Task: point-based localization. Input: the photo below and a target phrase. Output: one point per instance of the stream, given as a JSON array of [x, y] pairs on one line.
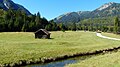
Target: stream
[[61, 63]]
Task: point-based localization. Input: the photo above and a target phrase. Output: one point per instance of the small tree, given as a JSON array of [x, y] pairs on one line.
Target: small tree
[[74, 26], [62, 27]]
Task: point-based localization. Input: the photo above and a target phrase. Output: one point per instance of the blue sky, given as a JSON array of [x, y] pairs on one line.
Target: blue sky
[[53, 8]]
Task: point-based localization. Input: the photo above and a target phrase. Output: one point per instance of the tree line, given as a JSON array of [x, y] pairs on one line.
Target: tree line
[[17, 21], [105, 24]]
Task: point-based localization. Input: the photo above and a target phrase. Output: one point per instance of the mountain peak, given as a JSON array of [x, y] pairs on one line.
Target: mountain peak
[[105, 6], [9, 4], [107, 9], [111, 3]]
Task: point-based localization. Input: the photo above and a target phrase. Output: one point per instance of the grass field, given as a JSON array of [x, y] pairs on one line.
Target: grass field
[[16, 46]]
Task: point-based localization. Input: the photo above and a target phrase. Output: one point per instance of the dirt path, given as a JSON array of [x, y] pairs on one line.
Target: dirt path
[[99, 35]]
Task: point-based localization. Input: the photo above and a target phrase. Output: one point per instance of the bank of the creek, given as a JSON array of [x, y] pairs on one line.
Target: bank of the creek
[[62, 61]]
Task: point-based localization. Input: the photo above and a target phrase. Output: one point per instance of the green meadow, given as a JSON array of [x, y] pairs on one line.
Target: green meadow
[[16, 46], [106, 60]]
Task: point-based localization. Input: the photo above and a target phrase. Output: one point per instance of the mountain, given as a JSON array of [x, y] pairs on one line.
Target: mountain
[[108, 9], [72, 16], [9, 4]]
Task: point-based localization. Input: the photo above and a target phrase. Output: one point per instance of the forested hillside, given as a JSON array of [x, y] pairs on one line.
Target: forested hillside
[[13, 20]]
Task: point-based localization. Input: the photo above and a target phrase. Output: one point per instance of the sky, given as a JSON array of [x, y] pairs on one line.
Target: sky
[[53, 8]]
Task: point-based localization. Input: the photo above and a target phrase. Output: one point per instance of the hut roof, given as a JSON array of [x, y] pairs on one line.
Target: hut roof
[[44, 30]]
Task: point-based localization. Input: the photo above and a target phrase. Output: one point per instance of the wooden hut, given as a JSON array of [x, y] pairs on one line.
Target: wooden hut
[[42, 34]]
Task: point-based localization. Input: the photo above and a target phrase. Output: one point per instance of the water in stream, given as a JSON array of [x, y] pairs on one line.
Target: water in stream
[[61, 63]]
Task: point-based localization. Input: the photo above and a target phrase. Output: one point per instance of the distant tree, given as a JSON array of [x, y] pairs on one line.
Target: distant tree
[[116, 25], [54, 25], [38, 21], [62, 27], [44, 22], [11, 25], [48, 27], [74, 26], [25, 27]]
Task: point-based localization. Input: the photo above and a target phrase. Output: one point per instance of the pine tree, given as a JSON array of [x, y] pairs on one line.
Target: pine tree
[[38, 21]]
